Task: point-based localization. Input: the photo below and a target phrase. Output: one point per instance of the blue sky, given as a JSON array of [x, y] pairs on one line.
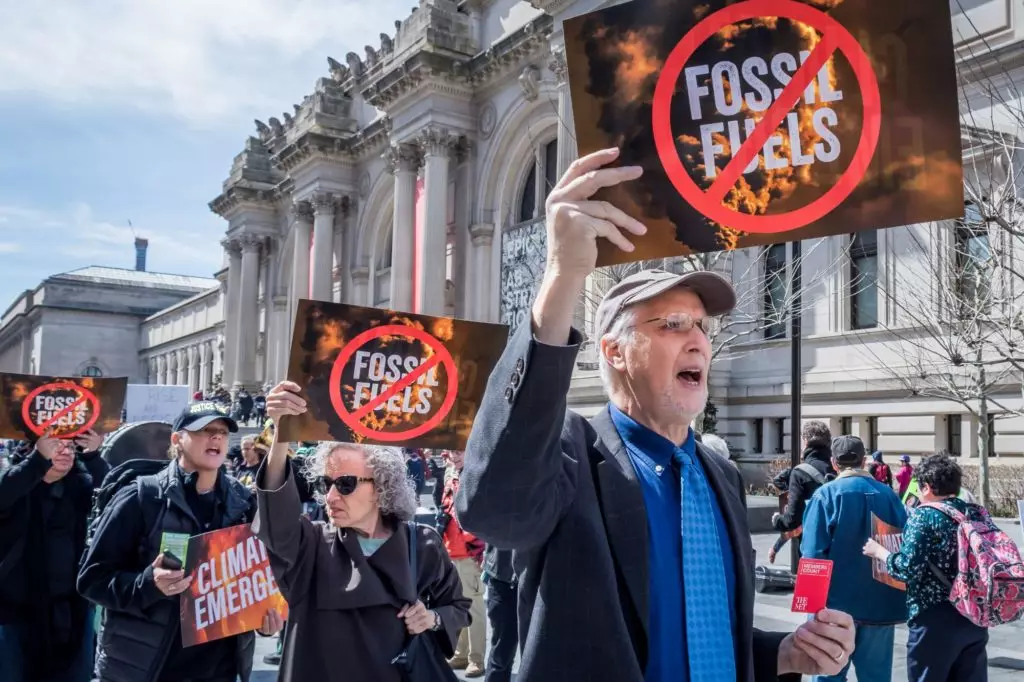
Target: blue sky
[[118, 110]]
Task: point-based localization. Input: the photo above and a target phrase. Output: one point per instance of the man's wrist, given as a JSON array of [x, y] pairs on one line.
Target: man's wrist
[[784, 663]]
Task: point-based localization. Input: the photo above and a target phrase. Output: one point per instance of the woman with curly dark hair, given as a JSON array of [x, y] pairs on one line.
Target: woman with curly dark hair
[[943, 644]]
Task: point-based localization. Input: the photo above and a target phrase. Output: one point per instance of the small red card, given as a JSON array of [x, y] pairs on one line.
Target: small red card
[[812, 580]]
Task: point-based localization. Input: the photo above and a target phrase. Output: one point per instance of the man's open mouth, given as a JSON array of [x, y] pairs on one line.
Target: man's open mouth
[[690, 377]]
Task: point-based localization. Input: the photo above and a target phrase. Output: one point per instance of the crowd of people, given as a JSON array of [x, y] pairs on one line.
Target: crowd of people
[[601, 549]]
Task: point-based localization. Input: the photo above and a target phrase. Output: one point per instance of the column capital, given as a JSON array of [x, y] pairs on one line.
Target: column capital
[[324, 203], [360, 275], [251, 243], [302, 210], [232, 245], [402, 158], [436, 141], [482, 234], [557, 64], [280, 302]]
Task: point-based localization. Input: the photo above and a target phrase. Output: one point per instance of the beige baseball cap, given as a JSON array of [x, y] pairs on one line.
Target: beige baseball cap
[[715, 291]]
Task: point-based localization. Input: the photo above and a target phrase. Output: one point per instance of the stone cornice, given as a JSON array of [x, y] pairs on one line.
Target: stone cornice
[[552, 7], [507, 56], [313, 145], [233, 197]]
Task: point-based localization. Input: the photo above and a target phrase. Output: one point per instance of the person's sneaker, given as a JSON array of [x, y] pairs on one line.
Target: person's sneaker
[[458, 663], [474, 670], [272, 659]]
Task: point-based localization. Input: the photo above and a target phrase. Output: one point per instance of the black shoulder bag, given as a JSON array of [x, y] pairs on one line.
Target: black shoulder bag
[[421, 660]]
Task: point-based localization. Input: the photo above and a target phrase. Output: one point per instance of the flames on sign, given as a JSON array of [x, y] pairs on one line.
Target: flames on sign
[[336, 334]]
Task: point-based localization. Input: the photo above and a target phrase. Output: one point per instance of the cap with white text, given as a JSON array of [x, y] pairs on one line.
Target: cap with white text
[[198, 416], [714, 291]]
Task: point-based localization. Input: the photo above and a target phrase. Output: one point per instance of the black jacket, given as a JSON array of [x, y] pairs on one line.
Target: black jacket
[[42, 535], [140, 622], [802, 486], [562, 493]]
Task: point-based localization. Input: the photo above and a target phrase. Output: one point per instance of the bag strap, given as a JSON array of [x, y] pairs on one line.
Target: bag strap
[[816, 475], [413, 563], [952, 513], [941, 576]]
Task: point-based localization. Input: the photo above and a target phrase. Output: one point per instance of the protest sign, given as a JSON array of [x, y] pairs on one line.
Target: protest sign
[[152, 403], [30, 405], [891, 538], [766, 121], [378, 376], [232, 586]]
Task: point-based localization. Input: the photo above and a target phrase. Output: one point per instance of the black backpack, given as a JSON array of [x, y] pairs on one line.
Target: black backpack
[[133, 472]]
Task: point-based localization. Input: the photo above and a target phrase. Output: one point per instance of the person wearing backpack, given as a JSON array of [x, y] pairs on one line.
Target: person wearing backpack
[[46, 629], [124, 572], [805, 478], [942, 643]]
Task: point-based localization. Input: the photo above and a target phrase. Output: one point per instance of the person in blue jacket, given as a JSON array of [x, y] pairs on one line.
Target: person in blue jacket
[[837, 523]]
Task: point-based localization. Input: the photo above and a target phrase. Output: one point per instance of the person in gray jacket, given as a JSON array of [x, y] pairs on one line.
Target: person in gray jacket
[[579, 501]]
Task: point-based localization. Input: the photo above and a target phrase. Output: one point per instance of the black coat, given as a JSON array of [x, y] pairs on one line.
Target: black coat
[[562, 492], [140, 622], [802, 486], [37, 588]]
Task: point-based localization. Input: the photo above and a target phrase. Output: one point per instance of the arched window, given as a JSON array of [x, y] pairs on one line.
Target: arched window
[[545, 165], [92, 371]]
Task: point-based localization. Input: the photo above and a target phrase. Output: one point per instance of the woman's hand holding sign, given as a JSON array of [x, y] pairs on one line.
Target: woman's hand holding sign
[[574, 223], [282, 401]]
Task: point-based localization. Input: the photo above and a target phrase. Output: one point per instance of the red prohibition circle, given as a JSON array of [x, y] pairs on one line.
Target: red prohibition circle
[[392, 330], [83, 394], [662, 108]]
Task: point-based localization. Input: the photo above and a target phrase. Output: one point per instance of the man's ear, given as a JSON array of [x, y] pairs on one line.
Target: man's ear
[[612, 352]]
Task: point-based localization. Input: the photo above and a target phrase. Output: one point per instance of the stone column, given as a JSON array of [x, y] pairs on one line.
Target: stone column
[[204, 366], [432, 244], [323, 245], [26, 349], [180, 365], [277, 369], [219, 361], [482, 235], [566, 138], [346, 209], [248, 321], [360, 294], [161, 365], [302, 213], [403, 160], [231, 307]]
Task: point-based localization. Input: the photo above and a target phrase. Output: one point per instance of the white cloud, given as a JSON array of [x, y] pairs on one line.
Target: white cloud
[[203, 61], [81, 235]]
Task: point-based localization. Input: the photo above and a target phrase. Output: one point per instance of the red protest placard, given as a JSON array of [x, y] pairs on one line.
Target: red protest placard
[[232, 588], [813, 577]]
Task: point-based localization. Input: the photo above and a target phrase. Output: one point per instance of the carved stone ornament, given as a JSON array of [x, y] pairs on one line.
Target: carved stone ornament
[[488, 120], [251, 242], [401, 157], [232, 246], [529, 81], [364, 184], [324, 204], [361, 275], [557, 64], [482, 234], [436, 141], [302, 210]]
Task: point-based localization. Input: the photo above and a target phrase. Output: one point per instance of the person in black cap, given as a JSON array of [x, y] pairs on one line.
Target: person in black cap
[[127, 574]]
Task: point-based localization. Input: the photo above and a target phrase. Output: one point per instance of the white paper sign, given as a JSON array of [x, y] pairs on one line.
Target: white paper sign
[[151, 403]]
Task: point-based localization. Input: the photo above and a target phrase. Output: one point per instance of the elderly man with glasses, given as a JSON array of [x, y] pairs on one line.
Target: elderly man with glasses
[[631, 540]]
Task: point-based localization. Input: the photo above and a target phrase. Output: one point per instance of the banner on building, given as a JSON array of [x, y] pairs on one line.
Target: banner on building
[[523, 256], [378, 376], [232, 587], [768, 121], [31, 405], [891, 538], [152, 403]]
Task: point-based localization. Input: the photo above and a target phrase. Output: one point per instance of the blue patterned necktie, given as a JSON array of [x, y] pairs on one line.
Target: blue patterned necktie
[[709, 637]]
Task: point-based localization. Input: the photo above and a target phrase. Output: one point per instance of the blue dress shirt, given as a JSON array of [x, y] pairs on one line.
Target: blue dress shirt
[[651, 455]]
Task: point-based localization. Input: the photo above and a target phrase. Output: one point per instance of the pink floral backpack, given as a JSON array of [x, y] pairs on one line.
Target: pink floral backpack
[[989, 586]]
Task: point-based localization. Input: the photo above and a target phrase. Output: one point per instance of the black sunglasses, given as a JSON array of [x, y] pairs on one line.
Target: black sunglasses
[[346, 485]]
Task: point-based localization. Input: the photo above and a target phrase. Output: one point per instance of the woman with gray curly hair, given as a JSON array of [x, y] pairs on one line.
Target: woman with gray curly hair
[[353, 598]]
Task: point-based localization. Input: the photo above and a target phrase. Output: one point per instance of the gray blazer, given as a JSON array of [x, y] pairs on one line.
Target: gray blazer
[[561, 491]]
